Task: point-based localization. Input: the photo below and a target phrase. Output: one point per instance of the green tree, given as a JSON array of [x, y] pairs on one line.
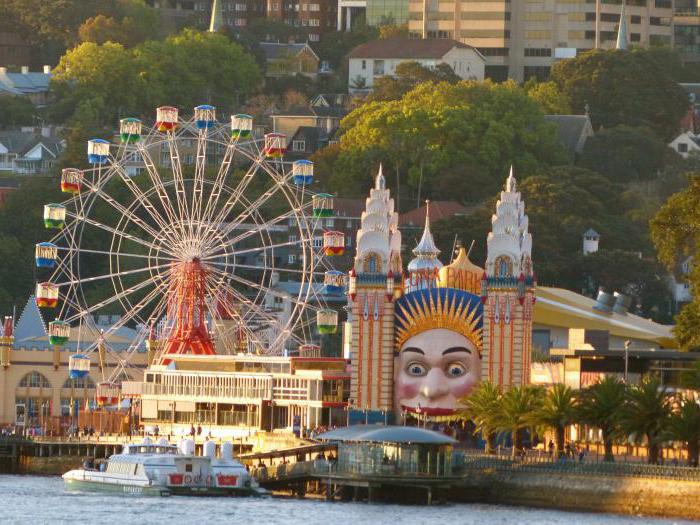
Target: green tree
[[481, 407], [138, 24], [446, 139], [556, 411], [406, 77], [548, 97], [16, 111], [599, 407], [514, 413], [625, 154], [676, 234], [690, 378], [645, 414], [623, 87], [684, 426], [393, 31]]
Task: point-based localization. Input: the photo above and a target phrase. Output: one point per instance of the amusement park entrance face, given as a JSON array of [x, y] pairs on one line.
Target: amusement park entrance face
[[433, 370]]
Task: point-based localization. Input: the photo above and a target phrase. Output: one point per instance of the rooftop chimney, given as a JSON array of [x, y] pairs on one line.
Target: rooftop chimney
[[25, 70], [604, 302], [622, 303]]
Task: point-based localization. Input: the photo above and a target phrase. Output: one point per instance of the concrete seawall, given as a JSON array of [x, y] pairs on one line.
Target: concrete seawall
[[587, 493]]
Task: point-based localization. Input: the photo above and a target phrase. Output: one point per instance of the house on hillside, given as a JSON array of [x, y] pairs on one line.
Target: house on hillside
[[290, 59], [27, 151], [685, 144], [380, 57], [572, 131], [34, 85], [324, 112]]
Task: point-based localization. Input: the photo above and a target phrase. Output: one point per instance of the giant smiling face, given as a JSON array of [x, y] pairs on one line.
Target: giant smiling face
[[433, 370]]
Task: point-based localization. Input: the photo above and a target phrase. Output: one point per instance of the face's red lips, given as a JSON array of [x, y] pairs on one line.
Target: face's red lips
[[429, 411]]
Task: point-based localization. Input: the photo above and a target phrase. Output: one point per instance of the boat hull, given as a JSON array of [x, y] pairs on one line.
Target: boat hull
[[158, 490]]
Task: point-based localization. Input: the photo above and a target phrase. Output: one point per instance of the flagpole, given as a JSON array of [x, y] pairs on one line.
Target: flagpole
[[597, 24]]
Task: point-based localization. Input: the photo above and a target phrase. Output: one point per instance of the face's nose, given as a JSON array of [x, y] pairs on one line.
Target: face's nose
[[434, 385]]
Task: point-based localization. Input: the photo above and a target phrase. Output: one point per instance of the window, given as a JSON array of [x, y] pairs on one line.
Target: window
[[81, 382], [504, 266], [318, 242], [35, 380], [364, 64], [292, 239], [291, 258], [348, 224], [330, 223], [298, 145], [682, 148], [378, 67], [372, 263]]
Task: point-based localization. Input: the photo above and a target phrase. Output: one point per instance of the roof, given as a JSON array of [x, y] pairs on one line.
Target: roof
[[25, 83], [277, 50], [21, 143], [407, 48], [313, 111], [310, 134], [564, 308], [570, 130], [590, 232], [386, 434], [438, 210]]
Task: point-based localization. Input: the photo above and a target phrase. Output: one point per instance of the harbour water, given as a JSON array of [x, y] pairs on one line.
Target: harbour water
[[38, 500]]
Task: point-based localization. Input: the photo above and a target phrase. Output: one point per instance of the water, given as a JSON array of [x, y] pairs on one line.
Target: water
[[37, 500]]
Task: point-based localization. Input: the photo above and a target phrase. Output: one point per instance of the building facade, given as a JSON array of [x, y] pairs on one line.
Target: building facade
[[523, 39]]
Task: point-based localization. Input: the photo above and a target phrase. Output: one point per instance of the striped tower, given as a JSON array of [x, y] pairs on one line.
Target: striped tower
[[507, 290], [374, 278]]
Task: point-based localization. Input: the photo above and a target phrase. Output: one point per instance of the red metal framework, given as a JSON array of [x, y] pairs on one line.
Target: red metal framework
[[189, 333]]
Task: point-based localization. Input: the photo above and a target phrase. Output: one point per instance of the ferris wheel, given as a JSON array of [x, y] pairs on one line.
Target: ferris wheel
[[185, 231]]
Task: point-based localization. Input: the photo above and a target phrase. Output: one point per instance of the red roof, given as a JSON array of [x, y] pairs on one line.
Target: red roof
[[438, 210], [408, 48]]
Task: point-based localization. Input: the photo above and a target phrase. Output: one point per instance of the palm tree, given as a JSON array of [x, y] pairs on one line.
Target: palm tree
[[514, 411], [645, 413], [599, 407], [691, 378], [557, 411], [480, 407], [684, 425]]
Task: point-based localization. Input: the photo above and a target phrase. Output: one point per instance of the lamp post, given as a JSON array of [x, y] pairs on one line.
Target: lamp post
[[628, 343]]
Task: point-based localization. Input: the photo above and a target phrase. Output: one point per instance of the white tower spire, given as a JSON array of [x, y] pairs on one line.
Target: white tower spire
[[380, 181], [622, 30]]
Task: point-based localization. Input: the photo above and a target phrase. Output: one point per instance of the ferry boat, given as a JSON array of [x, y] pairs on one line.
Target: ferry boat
[[163, 470]]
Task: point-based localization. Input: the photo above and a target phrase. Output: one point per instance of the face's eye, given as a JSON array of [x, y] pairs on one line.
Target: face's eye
[[416, 369], [455, 370]]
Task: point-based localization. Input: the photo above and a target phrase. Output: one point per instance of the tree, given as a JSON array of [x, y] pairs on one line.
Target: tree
[[481, 407], [556, 411], [548, 97], [691, 378], [645, 414], [406, 77], [448, 139], [137, 24], [684, 425], [625, 154], [393, 31], [599, 406], [16, 111], [514, 413], [676, 234], [623, 87]]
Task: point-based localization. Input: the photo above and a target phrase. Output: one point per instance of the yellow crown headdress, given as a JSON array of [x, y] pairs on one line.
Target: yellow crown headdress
[[448, 308]]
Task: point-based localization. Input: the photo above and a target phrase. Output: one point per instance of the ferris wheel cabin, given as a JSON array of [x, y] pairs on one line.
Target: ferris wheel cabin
[[205, 116], [46, 295], [302, 172], [59, 332], [334, 281], [333, 243], [241, 126], [54, 216], [130, 130], [166, 118], [71, 180], [327, 321], [322, 205], [275, 145], [107, 393], [78, 366], [98, 151], [45, 255]]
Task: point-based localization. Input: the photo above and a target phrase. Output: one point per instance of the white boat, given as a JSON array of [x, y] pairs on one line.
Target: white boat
[[164, 470]]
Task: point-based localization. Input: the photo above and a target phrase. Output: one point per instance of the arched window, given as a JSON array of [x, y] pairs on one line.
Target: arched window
[[372, 263], [35, 380], [504, 266], [80, 382]]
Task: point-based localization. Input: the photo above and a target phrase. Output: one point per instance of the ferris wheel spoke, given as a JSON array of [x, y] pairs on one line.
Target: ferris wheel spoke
[[119, 233], [121, 254], [219, 182], [267, 247], [179, 180], [233, 266], [126, 212], [158, 185], [294, 213], [113, 275], [198, 188]]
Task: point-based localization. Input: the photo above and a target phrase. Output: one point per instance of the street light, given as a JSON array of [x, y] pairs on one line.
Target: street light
[[628, 343]]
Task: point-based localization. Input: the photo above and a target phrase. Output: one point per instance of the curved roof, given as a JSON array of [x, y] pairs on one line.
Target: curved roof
[[386, 434]]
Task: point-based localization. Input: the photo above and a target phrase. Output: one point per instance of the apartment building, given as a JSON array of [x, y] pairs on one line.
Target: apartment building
[[521, 39], [686, 29], [316, 16]]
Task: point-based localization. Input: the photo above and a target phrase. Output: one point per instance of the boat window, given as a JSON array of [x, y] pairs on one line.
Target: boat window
[[188, 467]]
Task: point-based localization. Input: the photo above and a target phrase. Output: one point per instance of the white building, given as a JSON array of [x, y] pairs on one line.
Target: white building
[[685, 144], [380, 57]]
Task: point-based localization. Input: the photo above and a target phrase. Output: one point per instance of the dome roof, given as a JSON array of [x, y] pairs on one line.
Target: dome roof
[[386, 434], [461, 274]]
